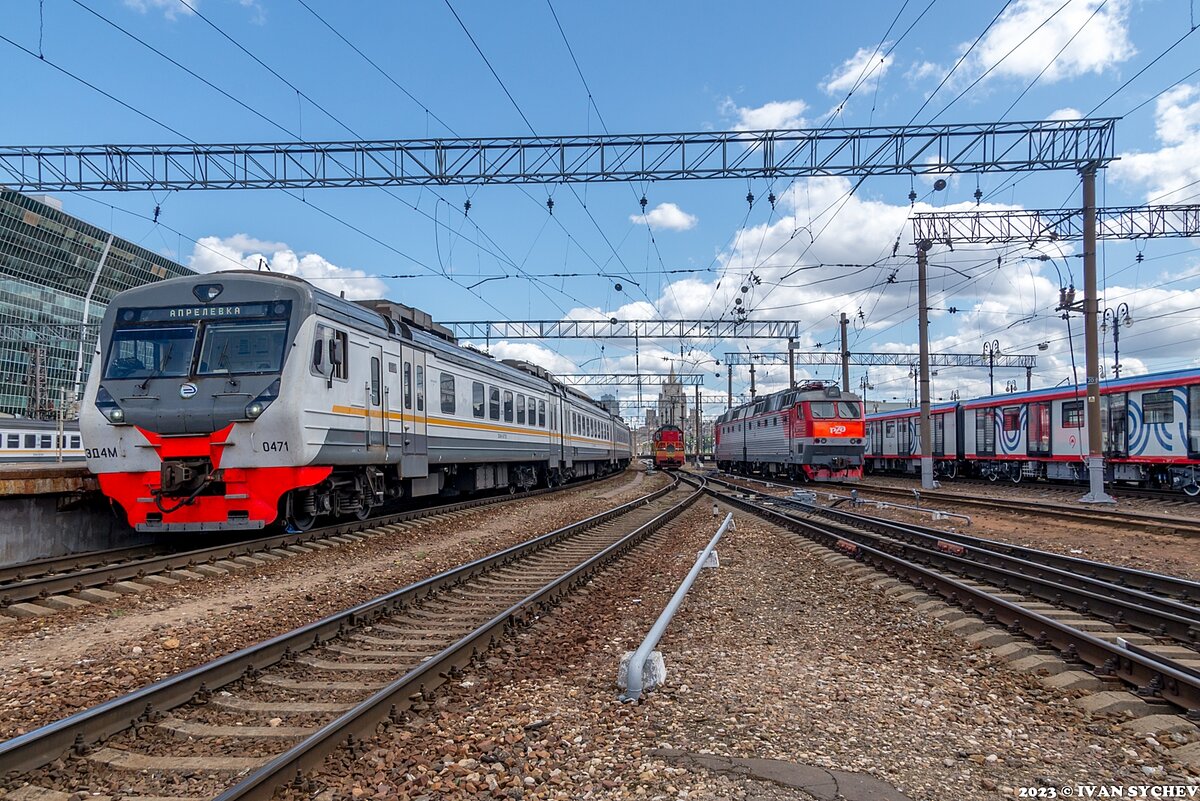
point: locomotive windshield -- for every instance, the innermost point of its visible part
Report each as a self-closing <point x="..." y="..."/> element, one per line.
<point x="827" y="410"/>
<point x="151" y="352"/>
<point x="242" y="347"/>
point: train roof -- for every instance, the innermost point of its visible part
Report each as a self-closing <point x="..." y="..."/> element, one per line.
<point x="812" y="390"/>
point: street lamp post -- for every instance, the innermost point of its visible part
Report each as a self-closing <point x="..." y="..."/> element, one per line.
<point x="1120" y="316"/>
<point x="990" y="351"/>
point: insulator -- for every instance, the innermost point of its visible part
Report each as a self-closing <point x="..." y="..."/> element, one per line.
<point x="467" y="206"/>
<point x="550" y="204"/>
<point x="1140" y="258"/>
<point x="750" y="198"/>
<point x="642" y="203"/>
<point x="978" y="195"/>
<point x="771" y="199"/>
<point x="912" y="197"/>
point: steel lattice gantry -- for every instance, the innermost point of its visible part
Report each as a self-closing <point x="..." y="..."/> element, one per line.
<point x="1056" y="225"/>
<point x="629" y="379"/>
<point x="1017" y="360"/>
<point x="788" y="153"/>
<point x="623" y="329"/>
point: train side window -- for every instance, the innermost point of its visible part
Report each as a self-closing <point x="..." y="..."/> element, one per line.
<point x="420" y="388"/>
<point x="494" y="403"/>
<point x="520" y="408"/>
<point x="1012" y="418"/>
<point x="532" y="411"/>
<point x="75" y="442"/>
<point x="1072" y="412"/>
<point x="1159" y="407"/>
<point x="407" y="385"/>
<point x="1037" y="435"/>
<point x="14" y="440"/>
<point x="330" y="347"/>
<point x="31" y="440"/>
<point x="1194" y="418"/>
<point x="375" y="380"/>
<point x="985" y="432"/>
<point x="46" y="441"/>
<point x="891" y="428"/>
<point x="447" y="385"/>
<point x="508" y="406"/>
<point x="477" y="401"/>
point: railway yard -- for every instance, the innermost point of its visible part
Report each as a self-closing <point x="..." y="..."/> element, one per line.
<point x="460" y="652"/>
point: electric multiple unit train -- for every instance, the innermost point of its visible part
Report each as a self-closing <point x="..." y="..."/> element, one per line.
<point x="233" y="400"/>
<point x="814" y="433"/>
<point x="1150" y="426"/>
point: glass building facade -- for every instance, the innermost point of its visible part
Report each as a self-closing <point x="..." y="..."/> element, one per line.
<point x="57" y="276"/>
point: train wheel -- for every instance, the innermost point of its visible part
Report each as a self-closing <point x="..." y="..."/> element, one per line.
<point x="299" y="517"/>
<point x="1192" y="490"/>
<point x="950" y="471"/>
<point x="1015" y="476"/>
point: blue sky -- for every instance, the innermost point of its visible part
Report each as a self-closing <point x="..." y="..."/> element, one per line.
<point x="650" y="68"/>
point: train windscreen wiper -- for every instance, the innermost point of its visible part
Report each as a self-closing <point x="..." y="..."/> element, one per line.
<point x="157" y="371"/>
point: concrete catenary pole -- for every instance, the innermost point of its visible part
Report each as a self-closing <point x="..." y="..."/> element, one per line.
<point x="791" y="364"/>
<point x="927" y="481"/>
<point x="729" y="396"/>
<point x="845" y="356"/>
<point x="1091" y="313"/>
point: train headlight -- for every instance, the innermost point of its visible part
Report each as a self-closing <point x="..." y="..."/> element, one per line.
<point x="259" y="405"/>
<point x="116" y="415"/>
<point x="108" y="407"/>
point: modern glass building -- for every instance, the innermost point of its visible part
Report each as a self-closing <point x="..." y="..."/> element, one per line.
<point x="57" y="275"/>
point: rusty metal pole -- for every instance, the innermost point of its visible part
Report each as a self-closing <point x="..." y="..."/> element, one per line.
<point x="927" y="481"/>
<point x="1091" y="313"/>
<point x="791" y="364"/>
<point x="729" y="396"/>
<point x="752" y="390"/>
<point x="699" y="446"/>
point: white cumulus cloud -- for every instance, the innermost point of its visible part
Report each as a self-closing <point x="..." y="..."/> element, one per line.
<point x="772" y="115"/>
<point x="1017" y="47"/>
<point x="666" y="216"/>
<point x="241" y="251"/>
<point x="170" y="8"/>
<point x="861" y="67"/>
<point x="532" y="353"/>
<point x="1176" y="166"/>
<point x="1066" y="113"/>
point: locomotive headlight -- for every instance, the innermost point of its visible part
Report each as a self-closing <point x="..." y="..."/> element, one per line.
<point x="109" y="408"/>
<point x="259" y="405"/>
<point x="116" y="415"/>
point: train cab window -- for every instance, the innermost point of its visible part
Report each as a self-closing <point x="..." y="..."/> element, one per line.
<point x="1012" y="418"/>
<point x="508" y="407"/>
<point x="376" y="379"/>
<point x="822" y="410"/>
<point x="75" y="442"/>
<point x="494" y="403"/>
<point x="242" y="347"/>
<point x="477" y="399"/>
<point x="541" y="405"/>
<point x="447" y="387"/>
<point x="408" y="385"/>
<point x="1037" y="435"/>
<point x="520" y="408"/>
<point x="420" y="388"/>
<point x="31" y="440"/>
<point x="151" y="352"/>
<point x="1159" y="407"/>
<point x="849" y="410"/>
<point x="1072" y="412"/>
<point x="532" y="408"/>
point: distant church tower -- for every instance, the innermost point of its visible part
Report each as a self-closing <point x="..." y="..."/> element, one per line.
<point x="672" y="403"/>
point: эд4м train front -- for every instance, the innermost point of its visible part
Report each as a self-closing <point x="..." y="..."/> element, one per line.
<point x="192" y="418"/>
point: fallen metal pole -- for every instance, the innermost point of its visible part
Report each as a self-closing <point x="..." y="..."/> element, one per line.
<point x="637" y="663"/>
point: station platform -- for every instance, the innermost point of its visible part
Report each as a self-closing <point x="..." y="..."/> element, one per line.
<point x="45" y="478"/>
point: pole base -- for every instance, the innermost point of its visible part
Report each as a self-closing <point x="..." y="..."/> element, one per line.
<point x="1096" y="493"/>
<point x="1103" y="497"/>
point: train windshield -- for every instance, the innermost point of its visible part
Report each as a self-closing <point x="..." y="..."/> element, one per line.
<point x="242" y="347"/>
<point x="827" y="410"/>
<point x="150" y="352"/>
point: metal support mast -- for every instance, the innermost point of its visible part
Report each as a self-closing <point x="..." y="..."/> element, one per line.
<point x="845" y="355"/>
<point x="791" y="364"/>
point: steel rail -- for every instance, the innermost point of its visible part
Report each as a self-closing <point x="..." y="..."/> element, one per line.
<point x="1156" y="677"/>
<point x="36" y="748"/>
<point x="104" y="575"/>
<point x="362" y="721"/>
<point x="22" y="571"/>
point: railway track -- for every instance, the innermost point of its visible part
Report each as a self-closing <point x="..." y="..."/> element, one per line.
<point x="48" y="578"/>
<point x="1138" y="627"/>
<point x="251" y="721"/>
<point x="1144" y="521"/>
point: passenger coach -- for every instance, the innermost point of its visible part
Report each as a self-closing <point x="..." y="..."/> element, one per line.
<point x="1150" y="425"/>
<point x="227" y="401"/>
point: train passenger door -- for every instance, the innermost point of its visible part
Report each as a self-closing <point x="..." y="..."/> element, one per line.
<point x="939" y="435"/>
<point x="376" y="422"/>
<point x="1193" y="428"/>
<point x="1113" y="427"/>
<point x="415" y="459"/>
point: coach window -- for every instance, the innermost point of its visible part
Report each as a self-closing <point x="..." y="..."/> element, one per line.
<point x="985" y="432"/>
<point x="1072" y="412"/>
<point x="494" y="403"/>
<point x="1159" y="407"/>
<point x="1012" y="418"/>
<point x="477" y="399"/>
<point x="46" y="441"/>
<point x="408" y="385"/>
<point x="375" y="379"/>
<point x="1194" y="419"/>
<point x="31" y="440"/>
<point x="420" y="388"/>
<point x="939" y="435"/>
<point x="1037" y="437"/>
<point x="448" y="394"/>
<point x="508" y="407"/>
<point x="541" y="405"/>
<point x="520" y="408"/>
<point x="74" y="440"/>
<point x="14" y="440"/>
<point x="532" y="411"/>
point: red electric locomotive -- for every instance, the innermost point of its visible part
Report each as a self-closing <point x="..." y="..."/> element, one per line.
<point x="668" y="447"/>
<point x="815" y="432"/>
